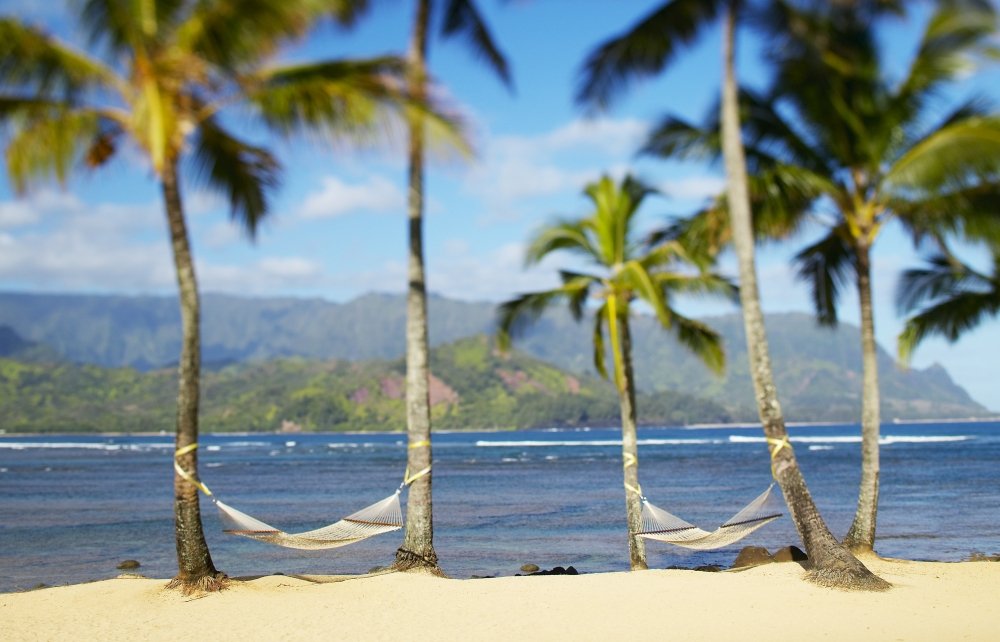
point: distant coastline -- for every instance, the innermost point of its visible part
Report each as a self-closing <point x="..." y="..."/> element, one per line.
<point x="739" y="425"/>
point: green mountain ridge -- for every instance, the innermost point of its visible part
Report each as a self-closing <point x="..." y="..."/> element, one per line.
<point x="817" y="369"/>
<point x="472" y="388"/>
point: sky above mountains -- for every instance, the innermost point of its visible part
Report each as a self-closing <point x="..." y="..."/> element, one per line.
<point x="338" y="224"/>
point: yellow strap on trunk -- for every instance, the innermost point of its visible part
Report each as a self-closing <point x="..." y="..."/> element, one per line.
<point x="778" y="445"/>
<point x="185" y="474"/>
<point x="407" y="480"/>
<point x="634" y="489"/>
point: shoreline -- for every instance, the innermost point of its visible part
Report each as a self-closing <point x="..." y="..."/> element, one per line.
<point x="929" y="600"/>
<point x="697" y="426"/>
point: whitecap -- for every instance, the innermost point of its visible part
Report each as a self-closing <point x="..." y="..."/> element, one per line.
<point x="486" y="443"/>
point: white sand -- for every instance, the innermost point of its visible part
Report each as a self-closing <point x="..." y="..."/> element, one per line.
<point x="929" y="601"/>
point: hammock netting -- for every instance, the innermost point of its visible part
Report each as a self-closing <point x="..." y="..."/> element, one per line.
<point x="381" y="517"/>
<point x="658" y="524"/>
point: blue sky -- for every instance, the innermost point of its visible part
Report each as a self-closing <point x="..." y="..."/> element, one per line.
<point x="338" y="225"/>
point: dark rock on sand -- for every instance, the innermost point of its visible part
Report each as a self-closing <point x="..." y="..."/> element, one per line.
<point x="708" y="568"/>
<point x="557" y="570"/>
<point x="790" y="554"/>
<point x="128" y="565"/>
<point x="752" y="556"/>
<point x="530" y="568"/>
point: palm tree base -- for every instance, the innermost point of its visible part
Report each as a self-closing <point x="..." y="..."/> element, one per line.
<point x="407" y="560"/>
<point x="209" y="583"/>
<point x="847" y="577"/>
<point x="859" y="549"/>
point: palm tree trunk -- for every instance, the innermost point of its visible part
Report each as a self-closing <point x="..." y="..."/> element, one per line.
<point x="832" y="564"/>
<point x="417" y="550"/>
<point x="630" y="449"/>
<point x="195" y="568"/>
<point x="861" y="536"/>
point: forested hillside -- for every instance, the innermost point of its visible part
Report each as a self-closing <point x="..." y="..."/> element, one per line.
<point x="472" y="387"/>
<point x="817" y="369"/>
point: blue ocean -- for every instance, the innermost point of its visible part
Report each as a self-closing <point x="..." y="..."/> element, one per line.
<point x="73" y="507"/>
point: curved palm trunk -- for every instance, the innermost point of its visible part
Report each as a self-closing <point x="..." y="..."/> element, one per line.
<point x="630" y="449"/>
<point x="861" y="536"/>
<point x="417" y="550"/>
<point x="195" y="568"/>
<point x="833" y="565"/>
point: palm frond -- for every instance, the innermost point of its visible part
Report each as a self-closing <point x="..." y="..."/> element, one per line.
<point x="128" y="26"/>
<point x="598" y="340"/>
<point x="515" y="316"/>
<point x="462" y="17"/>
<point x="48" y="140"/>
<point x="638" y="280"/>
<point x="704" y="342"/>
<point x="950" y="318"/>
<point x="943" y="277"/>
<point x="578" y="287"/>
<point x="41" y="66"/>
<point x="642" y="50"/>
<point x="353" y="98"/>
<point x="826" y="266"/>
<point x="573" y="236"/>
<point x="615" y="205"/>
<point x="952" y="35"/>
<point x="958" y="154"/>
<point x="700" y="284"/>
<point x="968" y="212"/>
<point x="229" y="33"/>
<point x="679" y="139"/>
<point x="243" y="172"/>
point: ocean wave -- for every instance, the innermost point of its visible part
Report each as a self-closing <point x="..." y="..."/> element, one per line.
<point x="78" y="445"/>
<point x="485" y="443"/>
<point x="856" y="439"/>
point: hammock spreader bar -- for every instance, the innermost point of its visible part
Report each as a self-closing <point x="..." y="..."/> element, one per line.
<point x="658" y="524"/>
<point x="383" y="516"/>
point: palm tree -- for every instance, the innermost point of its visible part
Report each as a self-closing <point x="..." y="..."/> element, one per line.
<point x="645" y="49"/>
<point x="836" y="142"/>
<point x="604" y="240"/>
<point x="172" y="69"/>
<point x="957" y="297"/>
<point x="461" y="17"/>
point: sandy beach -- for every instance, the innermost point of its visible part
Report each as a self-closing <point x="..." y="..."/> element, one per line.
<point x="929" y="601"/>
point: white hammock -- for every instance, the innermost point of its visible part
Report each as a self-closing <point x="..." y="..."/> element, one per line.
<point x="381" y="517"/>
<point x="660" y="525"/>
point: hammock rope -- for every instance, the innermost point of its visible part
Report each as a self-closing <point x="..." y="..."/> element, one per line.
<point x="658" y="524"/>
<point x="383" y="516"/>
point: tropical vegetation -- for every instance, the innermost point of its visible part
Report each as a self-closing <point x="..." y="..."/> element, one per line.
<point x="647" y="48"/>
<point x="950" y="298"/>
<point x="459" y="17"/>
<point x="838" y="142"/>
<point x="473" y="387"/>
<point x="618" y="273"/>
<point x="168" y="73"/>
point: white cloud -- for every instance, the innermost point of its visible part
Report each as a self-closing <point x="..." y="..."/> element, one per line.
<point x="268" y="276"/>
<point x="693" y="187"/>
<point x="292" y="267"/>
<point x="337" y="198"/>
<point x="514" y="168"/>
<point x="106" y="246"/>
<point x="607" y="135"/>
<point x="30" y="210"/>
